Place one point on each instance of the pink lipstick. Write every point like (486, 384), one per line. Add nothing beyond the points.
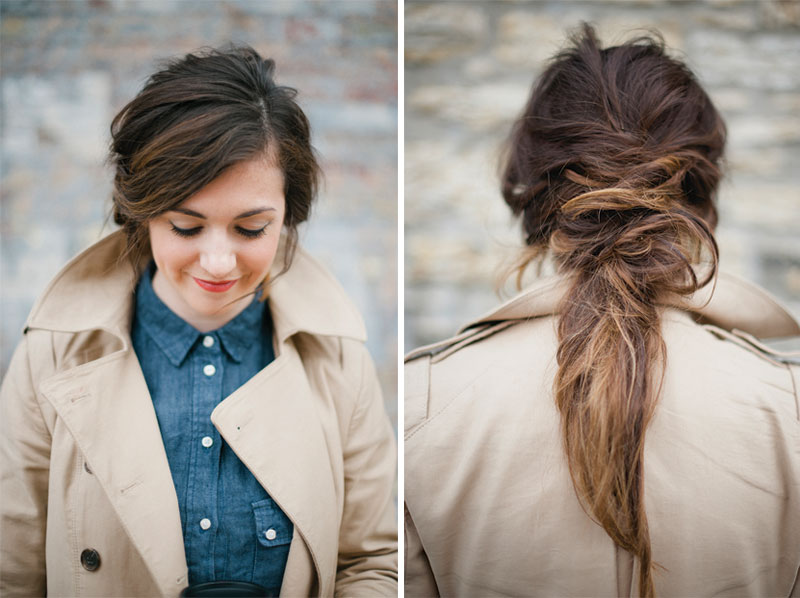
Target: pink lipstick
(214, 287)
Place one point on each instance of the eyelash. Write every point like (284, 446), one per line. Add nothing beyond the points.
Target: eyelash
(244, 232)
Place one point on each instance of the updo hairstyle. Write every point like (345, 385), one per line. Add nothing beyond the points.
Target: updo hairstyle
(613, 167)
(198, 116)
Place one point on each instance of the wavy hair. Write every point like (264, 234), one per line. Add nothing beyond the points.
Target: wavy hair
(197, 116)
(613, 167)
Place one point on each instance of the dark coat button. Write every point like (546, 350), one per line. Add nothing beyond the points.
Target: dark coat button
(90, 559)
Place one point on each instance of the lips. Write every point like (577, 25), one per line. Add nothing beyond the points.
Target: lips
(215, 287)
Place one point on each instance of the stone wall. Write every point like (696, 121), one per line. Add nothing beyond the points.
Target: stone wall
(468, 70)
(69, 66)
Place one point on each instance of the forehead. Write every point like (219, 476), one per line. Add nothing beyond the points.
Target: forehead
(245, 185)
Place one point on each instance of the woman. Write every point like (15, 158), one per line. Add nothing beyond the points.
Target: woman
(615, 429)
(192, 401)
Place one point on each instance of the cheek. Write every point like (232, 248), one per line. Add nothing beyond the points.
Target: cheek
(170, 253)
(258, 257)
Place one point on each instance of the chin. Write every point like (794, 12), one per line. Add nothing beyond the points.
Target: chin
(210, 306)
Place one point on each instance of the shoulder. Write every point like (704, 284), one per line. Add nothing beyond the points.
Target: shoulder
(313, 313)
(515, 331)
(482, 372)
(510, 352)
(341, 376)
(311, 310)
(681, 328)
(729, 367)
(308, 299)
(91, 291)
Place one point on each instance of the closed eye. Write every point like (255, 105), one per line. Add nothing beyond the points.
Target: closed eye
(251, 233)
(186, 232)
(247, 233)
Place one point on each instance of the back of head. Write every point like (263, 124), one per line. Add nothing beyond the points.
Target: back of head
(614, 166)
(626, 117)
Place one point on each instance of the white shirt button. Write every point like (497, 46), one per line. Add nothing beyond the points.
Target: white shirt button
(207, 441)
(208, 341)
(205, 523)
(209, 370)
(270, 534)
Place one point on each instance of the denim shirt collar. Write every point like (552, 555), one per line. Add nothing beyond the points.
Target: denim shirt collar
(176, 337)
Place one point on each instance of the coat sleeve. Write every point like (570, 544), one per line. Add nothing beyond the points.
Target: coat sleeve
(419, 580)
(24, 470)
(367, 564)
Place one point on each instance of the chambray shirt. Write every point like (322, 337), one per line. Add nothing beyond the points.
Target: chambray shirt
(232, 529)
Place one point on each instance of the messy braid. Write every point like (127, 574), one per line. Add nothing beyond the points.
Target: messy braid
(613, 167)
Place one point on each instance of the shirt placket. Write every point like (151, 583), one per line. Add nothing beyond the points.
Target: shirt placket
(203, 520)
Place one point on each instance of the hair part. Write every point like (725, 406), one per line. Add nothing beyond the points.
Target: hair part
(613, 167)
(193, 119)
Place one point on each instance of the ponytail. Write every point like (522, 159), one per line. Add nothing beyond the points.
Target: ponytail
(624, 258)
(613, 167)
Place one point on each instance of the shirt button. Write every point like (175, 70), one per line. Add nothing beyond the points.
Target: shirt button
(209, 370)
(205, 523)
(207, 441)
(270, 534)
(208, 341)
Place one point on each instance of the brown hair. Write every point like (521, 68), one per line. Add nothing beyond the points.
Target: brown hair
(613, 167)
(193, 119)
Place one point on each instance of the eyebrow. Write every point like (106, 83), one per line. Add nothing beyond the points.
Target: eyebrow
(247, 214)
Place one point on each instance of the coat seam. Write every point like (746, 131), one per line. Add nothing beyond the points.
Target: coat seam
(793, 378)
(36, 391)
(417, 418)
(77, 577)
(359, 408)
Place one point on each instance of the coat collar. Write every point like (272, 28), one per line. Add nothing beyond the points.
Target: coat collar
(306, 298)
(728, 302)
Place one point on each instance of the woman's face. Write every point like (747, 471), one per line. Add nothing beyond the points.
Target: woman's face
(214, 249)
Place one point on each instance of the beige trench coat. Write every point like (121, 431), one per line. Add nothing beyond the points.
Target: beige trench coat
(490, 508)
(83, 463)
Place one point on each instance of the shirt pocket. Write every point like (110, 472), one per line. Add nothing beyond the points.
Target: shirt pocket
(274, 534)
(273, 528)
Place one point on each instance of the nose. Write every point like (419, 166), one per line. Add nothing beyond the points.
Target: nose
(218, 258)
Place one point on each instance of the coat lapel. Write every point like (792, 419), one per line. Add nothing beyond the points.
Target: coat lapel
(106, 406)
(272, 424)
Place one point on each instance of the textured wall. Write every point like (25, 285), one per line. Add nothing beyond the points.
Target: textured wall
(468, 71)
(68, 67)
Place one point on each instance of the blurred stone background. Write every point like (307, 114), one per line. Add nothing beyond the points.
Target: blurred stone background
(469, 67)
(69, 66)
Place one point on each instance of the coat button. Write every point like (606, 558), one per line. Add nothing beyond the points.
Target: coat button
(90, 559)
